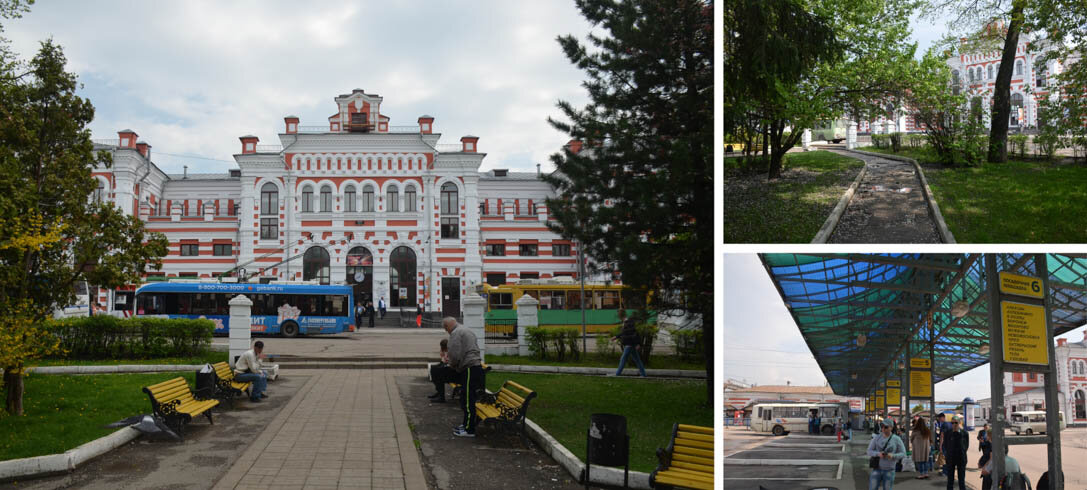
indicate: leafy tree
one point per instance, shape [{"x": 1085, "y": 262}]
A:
[
  {"x": 46, "y": 159},
  {"x": 640, "y": 195},
  {"x": 917, "y": 408}
]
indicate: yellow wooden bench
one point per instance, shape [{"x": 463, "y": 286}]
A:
[
  {"x": 688, "y": 461},
  {"x": 455, "y": 387},
  {"x": 173, "y": 401},
  {"x": 506, "y": 405},
  {"x": 226, "y": 387}
]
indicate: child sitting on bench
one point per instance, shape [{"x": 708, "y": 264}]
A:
[{"x": 441, "y": 373}]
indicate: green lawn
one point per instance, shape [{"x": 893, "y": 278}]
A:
[
  {"x": 597, "y": 360},
  {"x": 789, "y": 209},
  {"x": 62, "y": 412},
  {"x": 1013, "y": 202},
  {"x": 564, "y": 403},
  {"x": 208, "y": 357}
]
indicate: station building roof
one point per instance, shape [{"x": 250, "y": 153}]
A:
[{"x": 889, "y": 302}]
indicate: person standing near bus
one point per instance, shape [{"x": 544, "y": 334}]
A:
[
  {"x": 359, "y": 310},
  {"x": 247, "y": 369},
  {"x": 464, "y": 358},
  {"x": 370, "y": 313}
]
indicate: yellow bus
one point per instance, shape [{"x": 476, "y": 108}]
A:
[{"x": 560, "y": 304}]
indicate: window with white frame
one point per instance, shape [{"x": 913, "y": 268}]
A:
[
  {"x": 990, "y": 77},
  {"x": 269, "y": 198},
  {"x": 326, "y": 199},
  {"x": 368, "y": 199},
  {"x": 392, "y": 199},
  {"x": 307, "y": 199},
  {"x": 349, "y": 199},
  {"x": 409, "y": 199},
  {"x": 100, "y": 192}
]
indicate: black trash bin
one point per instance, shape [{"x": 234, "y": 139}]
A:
[
  {"x": 205, "y": 385},
  {"x": 607, "y": 444}
]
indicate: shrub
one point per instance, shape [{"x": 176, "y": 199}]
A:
[
  {"x": 896, "y": 142},
  {"x": 102, "y": 336},
  {"x": 537, "y": 341},
  {"x": 879, "y": 140},
  {"x": 1018, "y": 143},
  {"x": 688, "y": 343},
  {"x": 560, "y": 343}
]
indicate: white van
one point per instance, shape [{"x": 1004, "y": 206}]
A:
[{"x": 1031, "y": 422}]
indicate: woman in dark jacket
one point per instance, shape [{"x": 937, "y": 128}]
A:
[{"x": 629, "y": 339}]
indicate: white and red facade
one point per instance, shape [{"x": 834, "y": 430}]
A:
[
  {"x": 424, "y": 232},
  {"x": 1025, "y": 391}
]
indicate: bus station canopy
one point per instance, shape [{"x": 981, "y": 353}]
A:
[{"x": 859, "y": 313}]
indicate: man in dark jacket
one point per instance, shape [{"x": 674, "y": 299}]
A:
[
  {"x": 956, "y": 443},
  {"x": 370, "y": 313},
  {"x": 628, "y": 337}
]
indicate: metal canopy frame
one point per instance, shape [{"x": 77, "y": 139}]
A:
[{"x": 902, "y": 305}]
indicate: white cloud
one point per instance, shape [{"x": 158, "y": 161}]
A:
[{"x": 190, "y": 77}]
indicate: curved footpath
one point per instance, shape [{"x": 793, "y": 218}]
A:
[{"x": 891, "y": 204}]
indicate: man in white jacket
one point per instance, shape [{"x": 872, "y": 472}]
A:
[
  {"x": 889, "y": 449},
  {"x": 247, "y": 369}
]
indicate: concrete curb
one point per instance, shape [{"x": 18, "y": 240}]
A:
[
  {"x": 113, "y": 369},
  {"x": 600, "y": 474},
  {"x": 632, "y": 373},
  {"x": 832, "y": 221},
  {"x": 40, "y": 466},
  {"x": 933, "y": 208}
]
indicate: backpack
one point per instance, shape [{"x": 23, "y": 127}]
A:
[{"x": 1014, "y": 481}]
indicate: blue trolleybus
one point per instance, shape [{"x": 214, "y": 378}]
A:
[{"x": 285, "y": 309}]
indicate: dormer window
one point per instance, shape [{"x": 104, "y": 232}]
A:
[
  {"x": 249, "y": 147},
  {"x": 360, "y": 121},
  {"x": 124, "y": 142}
]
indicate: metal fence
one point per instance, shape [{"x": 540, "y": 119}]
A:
[
  {"x": 500, "y": 331},
  {"x": 450, "y": 148},
  {"x": 269, "y": 148}
]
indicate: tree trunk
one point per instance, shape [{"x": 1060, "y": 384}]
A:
[
  {"x": 998, "y": 127},
  {"x": 777, "y": 154},
  {"x": 13, "y": 381}
]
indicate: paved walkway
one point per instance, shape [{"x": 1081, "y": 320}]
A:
[
  {"x": 888, "y": 207},
  {"x": 344, "y": 429}
]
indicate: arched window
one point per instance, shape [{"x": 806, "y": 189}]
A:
[
  {"x": 100, "y": 192},
  {"x": 360, "y": 272},
  {"x": 368, "y": 199},
  {"x": 315, "y": 265},
  {"x": 449, "y": 221},
  {"x": 392, "y": 199},
  {"x": 979, "y": 74},
  {"x": 990, "y": 77},
  {"x": 1019, "y": 67},
  {"x": 402, "y": 277},
  {"x": 307, "y": 199},
  {"x": 269, "y": 198},
  {"x": 349, "y": 199},
  {"x": 1080, "y": 405},
  {"x": 409, "y": 199},
  {"x": 326, "y": 199},
  {"x": 970, "y": 75},
  {"x": 1017, "y": 103}
]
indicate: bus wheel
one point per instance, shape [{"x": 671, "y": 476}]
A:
[
  {"x": 779, "y": 430},
  {"x": 290, "y": 329},
  {"x": 827, "y": 430},
  {"x": 1030, "y": 432}
]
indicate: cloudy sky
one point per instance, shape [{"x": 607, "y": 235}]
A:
[
  {"x": 191, "y": 77},
  {"x": 764, "y": 346}
]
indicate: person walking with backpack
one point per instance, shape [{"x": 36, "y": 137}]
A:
[
  {"x": 956, "y": 444},
  {"x": 1013, "y": 479},
  {"x": 884, "y": 452},
  {"x": 630, "y": 340}
]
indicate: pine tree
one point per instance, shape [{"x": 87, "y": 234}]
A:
[{"x": 639, "y": 196}]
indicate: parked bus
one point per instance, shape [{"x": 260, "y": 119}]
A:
[
  {"x": 783, "y": 418},
  {"x": 284, "y": 309},
  {"x": 560, "y": 303},
  {"x": 1031, "y": 422}
]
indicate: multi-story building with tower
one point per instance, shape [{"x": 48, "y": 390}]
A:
[{"x": 358, "y": 201}]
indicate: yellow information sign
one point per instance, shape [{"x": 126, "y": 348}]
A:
[
  {"x": 1024, "y": 333},
  {"x": 920, "y": 363},
  {"x": 1030, "y": 287},
  {"x": 895, "y": 383},
  {"x": 894, "y": 397},
  {"x": 879, "y": 402},
  {"x": 921, "y": 384},
  {"x": 879, "y": 393}
]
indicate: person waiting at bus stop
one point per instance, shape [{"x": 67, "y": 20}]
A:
[
  {"x": 247, "y": 369},
  {"x": 956, "y": 443},
  {"x": 465, "y": 359},
  {"x": 884, "y": 451}
]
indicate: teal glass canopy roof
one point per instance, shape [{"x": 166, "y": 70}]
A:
[{"x": 894, "y": 302}]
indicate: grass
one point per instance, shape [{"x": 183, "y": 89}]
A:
[
  {"x": 1013, "y": 202},
  {"x": 62, "y": 412},
  {"x": 564, "y": 403},
  {"x": 599, "y": 360},
  {"x": 210, "y": 357},
  {"x": 789, "y": 209}
]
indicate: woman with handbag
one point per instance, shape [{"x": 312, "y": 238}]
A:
[
  {"x": 921, "y": 441},
  {"x": 883, "y": 453}
]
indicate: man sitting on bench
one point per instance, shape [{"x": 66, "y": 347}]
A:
[
  {"x": 464, "y": 358},
  {"x": 247, "y": 369}
]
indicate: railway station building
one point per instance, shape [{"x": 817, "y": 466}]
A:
[{"x": 392, "y": 210}]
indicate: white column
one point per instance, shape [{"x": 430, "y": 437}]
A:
[
  {"x": 805, "y": 139},
  {"x": 240, "y": 330},
  {"x": 851, "y": 136},
  {"x": 527, "y": 317},
  {"x": 473, "y": 320}
]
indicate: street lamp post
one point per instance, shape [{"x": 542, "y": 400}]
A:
[{"x": 581, "y": 278}]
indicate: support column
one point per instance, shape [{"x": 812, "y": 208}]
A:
[
  {"x": 851, "y": 136},
  {"x": 1052, "y": 403},
  {"x": 527, "y": 308},
  {"x": 240, "y": 331},
  {"x": 473, "y": 320},
  {"x": 996, "y": 365}
]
